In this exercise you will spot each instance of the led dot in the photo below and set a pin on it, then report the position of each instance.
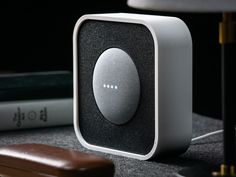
(108, 86)
(104, 85)
(112, 87)
(116, 87)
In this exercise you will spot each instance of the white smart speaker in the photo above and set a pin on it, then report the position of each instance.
(133, 84)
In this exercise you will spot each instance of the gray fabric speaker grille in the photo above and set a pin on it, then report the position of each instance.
(136, 136)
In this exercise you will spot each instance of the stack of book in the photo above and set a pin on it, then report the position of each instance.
(38, 99)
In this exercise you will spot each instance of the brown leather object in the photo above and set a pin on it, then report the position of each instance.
(39, 160)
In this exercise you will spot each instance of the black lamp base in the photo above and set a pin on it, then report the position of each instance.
(197, 171)
(208, 171)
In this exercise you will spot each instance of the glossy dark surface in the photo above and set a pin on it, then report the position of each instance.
(44, 160)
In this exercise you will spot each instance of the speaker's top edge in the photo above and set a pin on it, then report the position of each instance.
(144, 19)
(162, 28)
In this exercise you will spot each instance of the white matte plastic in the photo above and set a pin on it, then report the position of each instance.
(173, 82)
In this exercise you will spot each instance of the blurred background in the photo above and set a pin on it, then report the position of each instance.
(37, 36)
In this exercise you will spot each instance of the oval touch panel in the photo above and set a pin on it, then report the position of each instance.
(116, 86)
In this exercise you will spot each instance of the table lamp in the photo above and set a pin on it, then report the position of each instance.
(227, 40)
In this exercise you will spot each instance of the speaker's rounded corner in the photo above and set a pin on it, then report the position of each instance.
(185, 27)
(153, 152)
(77, 26)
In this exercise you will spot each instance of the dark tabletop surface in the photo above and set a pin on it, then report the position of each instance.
(208, 151)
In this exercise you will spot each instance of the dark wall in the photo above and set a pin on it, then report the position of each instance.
(38, 36)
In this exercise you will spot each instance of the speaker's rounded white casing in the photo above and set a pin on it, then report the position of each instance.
(173, 82)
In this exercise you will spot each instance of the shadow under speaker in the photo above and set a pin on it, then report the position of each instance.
(133, 84)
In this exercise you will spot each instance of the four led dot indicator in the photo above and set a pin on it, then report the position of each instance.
(110, 86)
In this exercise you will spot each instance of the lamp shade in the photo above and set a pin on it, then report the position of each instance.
(185, 5)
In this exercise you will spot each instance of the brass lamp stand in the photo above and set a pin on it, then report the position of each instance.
(227, 39)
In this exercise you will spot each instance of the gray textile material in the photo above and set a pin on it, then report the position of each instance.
(205, 151)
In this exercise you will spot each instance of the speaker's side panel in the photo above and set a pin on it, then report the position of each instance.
(174, 85)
